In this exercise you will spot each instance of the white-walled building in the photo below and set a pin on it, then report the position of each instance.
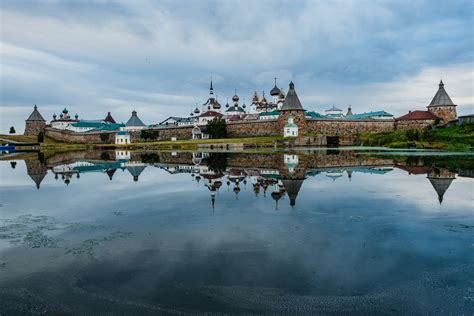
(290, 129)
(122, 138)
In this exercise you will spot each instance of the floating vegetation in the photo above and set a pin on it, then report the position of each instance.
(88, 246)
(37, 239)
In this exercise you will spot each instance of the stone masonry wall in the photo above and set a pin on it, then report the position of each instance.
(253, 128)
(445, 112)
(34, 127)
(348, 127)
(81, 138)
(412, 124)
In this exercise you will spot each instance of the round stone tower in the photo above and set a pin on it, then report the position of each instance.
(35, 123)
(442, 106)
(292, 108)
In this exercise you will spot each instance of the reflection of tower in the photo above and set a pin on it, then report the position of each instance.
(349, 174)
(135, 171)
(441, 179)
(293, 176)
(110, 173)
(36, 170)
(276, 195)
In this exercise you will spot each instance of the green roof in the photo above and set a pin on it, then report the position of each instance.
(313, 114)
(100, 125)
(290, 125)
(274, 112)
(369, 114)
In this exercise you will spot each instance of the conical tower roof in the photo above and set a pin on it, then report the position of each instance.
(440, 185)
(292, 102)
(109, 118)
(292, 188)
(35, 115)
(441, 97)
(134, 120)
(135, 171)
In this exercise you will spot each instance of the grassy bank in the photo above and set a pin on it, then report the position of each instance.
(456, 138)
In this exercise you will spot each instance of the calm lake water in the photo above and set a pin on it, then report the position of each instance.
(324, 231)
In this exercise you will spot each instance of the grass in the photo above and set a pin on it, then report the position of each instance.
(19, 138)
(455, 138)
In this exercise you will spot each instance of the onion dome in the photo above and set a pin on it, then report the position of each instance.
(196, 110)
(235, 98)
(54, 116)
(227, 104)
(243, 105)
(216, 105)
(282, 94)
(61, 115)
(191, 114)
(65, 111)
(263, 101)
(76, 116)
(275, 91)
(255, 98)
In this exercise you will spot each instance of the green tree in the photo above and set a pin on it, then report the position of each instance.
(12, 130)
(104, 137)
(217, 128)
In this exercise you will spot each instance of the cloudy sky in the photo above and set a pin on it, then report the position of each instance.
(158, 56)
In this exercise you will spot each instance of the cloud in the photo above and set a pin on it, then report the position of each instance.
(117, 55)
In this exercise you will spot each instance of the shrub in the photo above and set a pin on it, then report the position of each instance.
(12, 130)
(217, 128)
(40, 137)
(104, 137)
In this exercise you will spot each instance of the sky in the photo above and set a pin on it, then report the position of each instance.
(157, 57)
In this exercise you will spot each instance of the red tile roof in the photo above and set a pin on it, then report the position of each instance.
(417, 115)
(211, 113)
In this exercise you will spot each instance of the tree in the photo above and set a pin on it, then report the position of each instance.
(40, 137)
(217, 128)
(104, 137)
(12, 130)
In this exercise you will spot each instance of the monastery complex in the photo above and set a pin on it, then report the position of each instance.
(279, 114)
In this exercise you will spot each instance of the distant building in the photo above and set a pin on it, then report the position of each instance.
(122, 138)
(290, 129)
(109, 118)
(35, 123)
(178, 121)
(273, 115)
(334, 113)
(415, 120)
(88, 126)
(377, 115)
(466, 119)
(134, 123)
(292, 108)
(64, 120)
(208, 116)
(442, 106)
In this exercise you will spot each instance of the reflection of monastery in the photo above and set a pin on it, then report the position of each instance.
(278, 114)
(280, 175)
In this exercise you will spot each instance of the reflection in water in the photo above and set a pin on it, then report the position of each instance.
(284, 178)
(279, 233)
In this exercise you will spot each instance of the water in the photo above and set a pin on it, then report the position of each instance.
(303, 232)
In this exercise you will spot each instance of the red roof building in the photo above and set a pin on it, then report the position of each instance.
(417, 115)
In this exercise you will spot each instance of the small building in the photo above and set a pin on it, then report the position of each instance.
(122, 138)
(134, 123)
(35, 123)
(334, 113)
(466, 119)
(415, 120)
(199, 132)
(178, 121)
(290, 129)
